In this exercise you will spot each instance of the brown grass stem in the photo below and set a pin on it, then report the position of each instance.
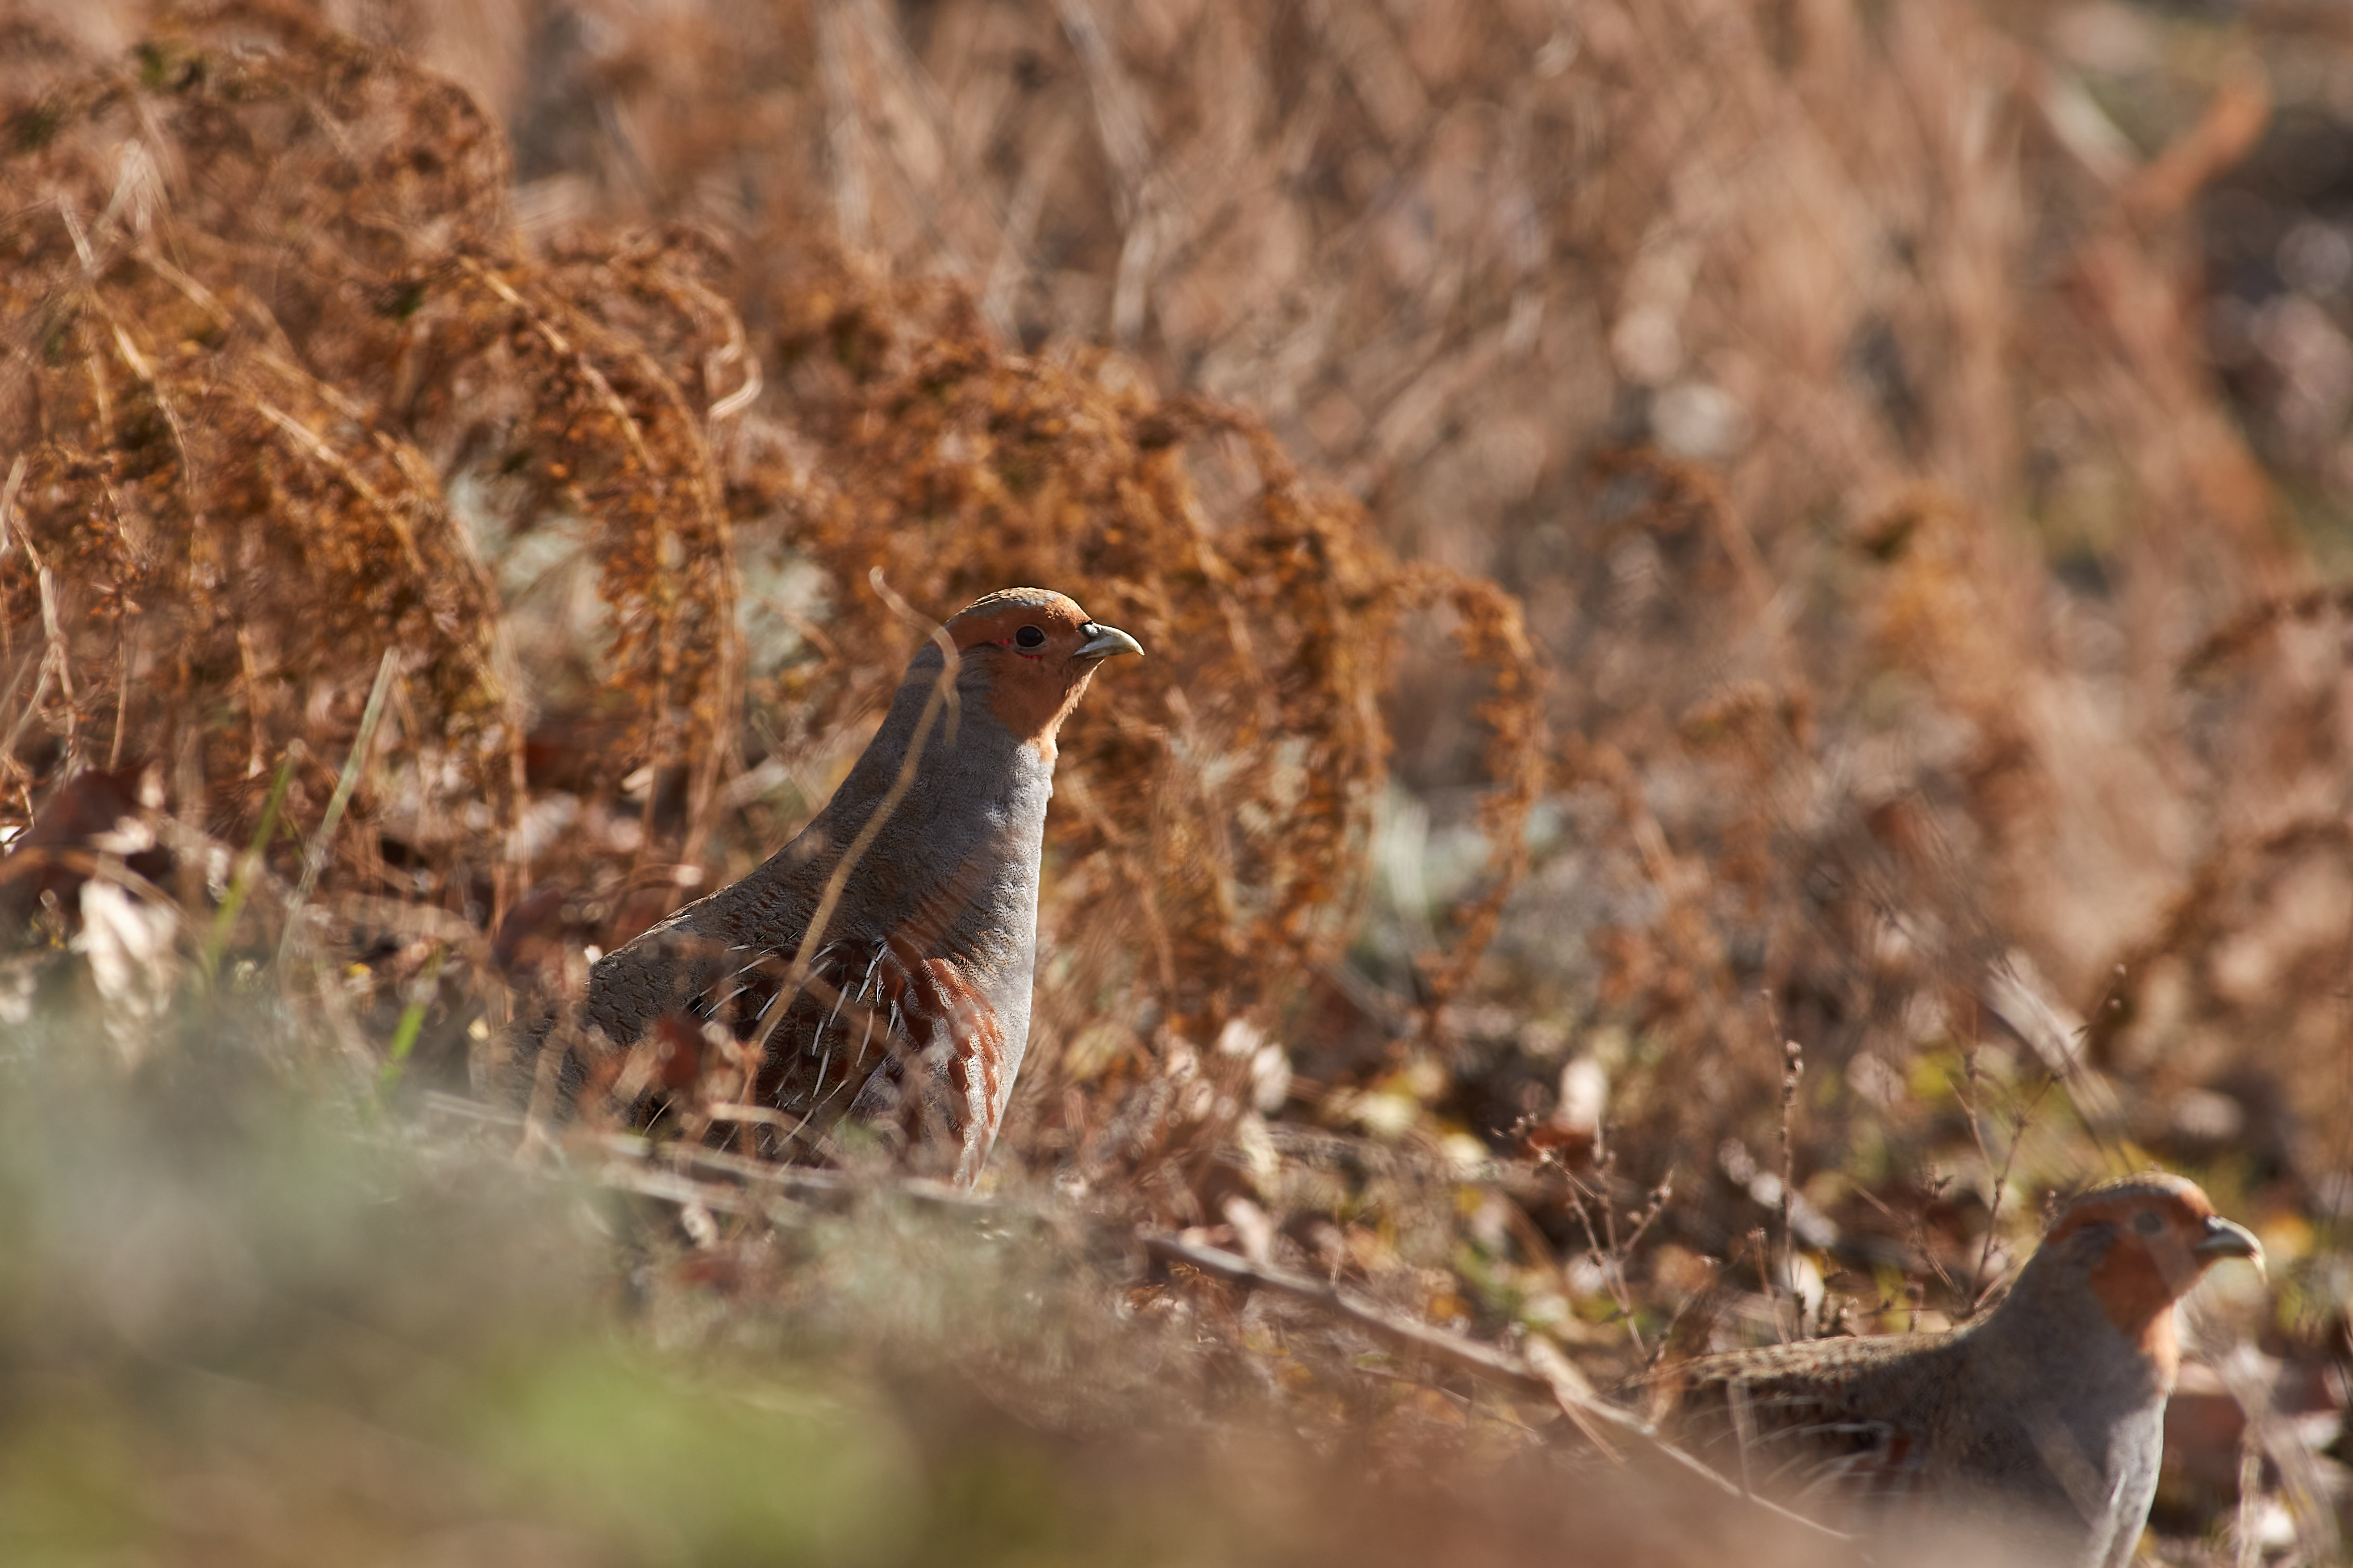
(314, 854)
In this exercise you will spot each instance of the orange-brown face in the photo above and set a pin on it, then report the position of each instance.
(1038, 648)
(2155, 1236)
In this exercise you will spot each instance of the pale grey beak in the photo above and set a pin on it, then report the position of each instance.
(2224, 1239)
(1102, 642)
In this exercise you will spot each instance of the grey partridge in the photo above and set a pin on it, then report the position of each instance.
(2047, 1413)
(878, 967)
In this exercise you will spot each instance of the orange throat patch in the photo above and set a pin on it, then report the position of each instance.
(1031, 700)
(2139, 1298)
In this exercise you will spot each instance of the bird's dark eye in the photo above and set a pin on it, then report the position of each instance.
(2147, 1223)
(1030, 636)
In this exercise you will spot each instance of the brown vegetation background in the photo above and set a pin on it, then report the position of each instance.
(1735, 591)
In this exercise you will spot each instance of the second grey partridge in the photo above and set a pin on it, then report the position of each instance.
(2048, 1410)
(909, 1012)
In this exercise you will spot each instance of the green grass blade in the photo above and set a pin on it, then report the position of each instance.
(412, 1023)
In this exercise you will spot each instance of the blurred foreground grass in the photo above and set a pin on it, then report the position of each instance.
(245, 1320)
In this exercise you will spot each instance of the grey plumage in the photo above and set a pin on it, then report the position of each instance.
(2050, 1409)
(914, 1015)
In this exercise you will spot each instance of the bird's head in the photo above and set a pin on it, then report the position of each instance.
(1035, 649)
(2141, 1242)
